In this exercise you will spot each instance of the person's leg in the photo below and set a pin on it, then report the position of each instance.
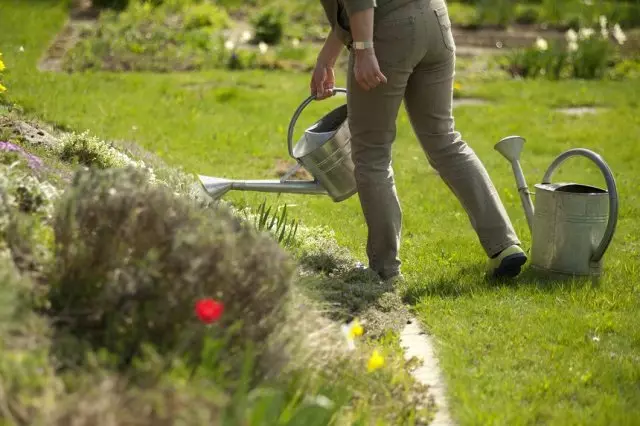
(429, 98)
(372, 122)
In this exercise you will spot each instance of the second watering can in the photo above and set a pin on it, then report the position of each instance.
(572, 224)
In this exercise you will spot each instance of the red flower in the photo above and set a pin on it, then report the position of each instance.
(209, 310)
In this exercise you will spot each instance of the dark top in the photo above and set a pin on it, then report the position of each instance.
(339, 11)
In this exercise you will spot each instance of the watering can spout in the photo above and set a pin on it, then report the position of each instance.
(215, 187)
(511, 148)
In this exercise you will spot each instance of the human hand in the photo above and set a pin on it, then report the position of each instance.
(367, 70)
(323, 81)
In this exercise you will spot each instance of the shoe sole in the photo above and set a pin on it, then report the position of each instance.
(510, 266)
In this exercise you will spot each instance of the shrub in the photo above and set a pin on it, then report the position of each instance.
(495, 12)
(111, 4)
(526, 14)
(206, 15)
(164, 38)
(27, 378)
(586, 54)
(89, 151)
(269, 24)
(132, 258)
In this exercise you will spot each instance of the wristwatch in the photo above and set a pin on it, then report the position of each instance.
(361, 45)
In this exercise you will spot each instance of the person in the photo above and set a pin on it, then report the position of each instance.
(405, 50)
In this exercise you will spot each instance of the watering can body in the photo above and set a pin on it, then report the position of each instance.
(569, 224)
(325, 151)
(572, 225)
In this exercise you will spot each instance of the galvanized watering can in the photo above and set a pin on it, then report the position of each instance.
(324, 150)
(572, 224)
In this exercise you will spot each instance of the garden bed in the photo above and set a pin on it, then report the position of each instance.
(121, 304)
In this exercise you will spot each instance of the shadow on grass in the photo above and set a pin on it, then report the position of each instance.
(472, 279)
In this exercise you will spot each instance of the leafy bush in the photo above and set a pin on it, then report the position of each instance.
(495, 12)
(132, 259)
(27, 378)
(111, 4)
(161, 39)
(586, 54)
(527, 14)
(269, 25)
(206, 15)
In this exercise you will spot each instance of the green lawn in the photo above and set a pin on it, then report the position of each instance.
(531, 352)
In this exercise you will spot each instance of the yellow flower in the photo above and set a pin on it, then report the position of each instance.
(351, 331)
(375, 362)
(2, 67)
(356, 329)
(2, 88)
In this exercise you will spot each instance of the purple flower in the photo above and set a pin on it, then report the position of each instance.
(33, 161)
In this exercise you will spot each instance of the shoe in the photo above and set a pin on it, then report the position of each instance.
(393, 280)
(508, 263)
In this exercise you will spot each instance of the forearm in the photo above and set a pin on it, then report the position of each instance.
(361, 24)
(330, 50)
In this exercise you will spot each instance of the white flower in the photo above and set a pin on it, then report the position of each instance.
(263, 47)
(571, 35)
(295, 42)
(541, 44)
(573, 46)
(321, 401)
(604, 33)
(603, 21)
(586, 33)
(246, 36)
(229, 45)
(595, 338)
(618, 34)
(21, 49)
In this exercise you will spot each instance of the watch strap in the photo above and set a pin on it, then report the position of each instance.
(359, 45)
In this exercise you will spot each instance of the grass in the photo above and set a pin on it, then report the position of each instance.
(534, 351)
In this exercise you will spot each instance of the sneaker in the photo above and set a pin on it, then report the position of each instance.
(394, 280)
(508, 263)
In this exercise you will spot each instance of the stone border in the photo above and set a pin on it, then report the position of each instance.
(416, 343)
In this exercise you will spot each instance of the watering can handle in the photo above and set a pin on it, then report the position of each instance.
(302, 106)
(611, 186)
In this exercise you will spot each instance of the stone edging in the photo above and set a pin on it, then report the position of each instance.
(416, 343)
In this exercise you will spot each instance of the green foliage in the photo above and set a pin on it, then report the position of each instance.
(111, 4)
(206, 15)
(495, 12)
(279, 225)
(89, 151)
(527, 14)
(586, 54)
(268, 24)
(131, 259)
(161, 38)
(534, 62)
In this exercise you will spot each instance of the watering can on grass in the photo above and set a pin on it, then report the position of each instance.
(572, 224)
(324, 150)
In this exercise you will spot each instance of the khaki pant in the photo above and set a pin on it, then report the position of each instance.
(416, 52)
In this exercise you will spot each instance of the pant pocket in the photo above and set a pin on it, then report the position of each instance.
(394, 40)
(444, 22)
